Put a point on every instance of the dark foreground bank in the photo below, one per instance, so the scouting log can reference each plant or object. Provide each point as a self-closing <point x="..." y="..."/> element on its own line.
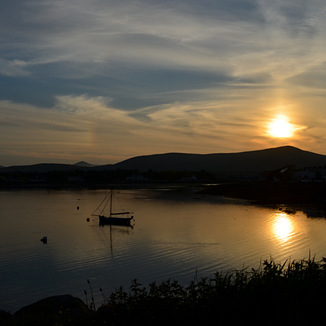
<point x="291" y="293"/>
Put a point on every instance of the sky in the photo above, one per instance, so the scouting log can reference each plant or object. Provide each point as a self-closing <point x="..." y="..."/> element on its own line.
<point x="103" y="81"/>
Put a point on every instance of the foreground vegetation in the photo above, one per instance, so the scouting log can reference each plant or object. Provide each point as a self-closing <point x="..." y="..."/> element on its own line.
<point x="291" y="293"/>
<point x="288" y="293"/>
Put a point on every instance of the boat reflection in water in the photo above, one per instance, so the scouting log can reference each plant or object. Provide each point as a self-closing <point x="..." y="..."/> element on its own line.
<point x="177" y="236"/>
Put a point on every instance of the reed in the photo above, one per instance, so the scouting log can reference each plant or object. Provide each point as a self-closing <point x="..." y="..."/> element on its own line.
<point x="92" y="305"/>
<point x="287" y="293"/>
<point x="291" y="291"/>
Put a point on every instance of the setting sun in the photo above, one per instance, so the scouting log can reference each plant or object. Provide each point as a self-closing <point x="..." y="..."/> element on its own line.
<point x="280" y="127"/>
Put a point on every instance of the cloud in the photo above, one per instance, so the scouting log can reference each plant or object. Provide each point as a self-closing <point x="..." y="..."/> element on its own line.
<point x="180" y="76"/>
<point x="13" y="68"/>
<point x="73" y="127"/>
<point x="88" y="127"/>
<point x="83" y="124"/>
<point x="240" y="38"/>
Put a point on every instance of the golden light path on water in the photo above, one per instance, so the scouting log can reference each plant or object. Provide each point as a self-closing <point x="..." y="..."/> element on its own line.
<point x="283" y="227"/>
<point x="289" y="230"/>
<point x="176" y="235"/>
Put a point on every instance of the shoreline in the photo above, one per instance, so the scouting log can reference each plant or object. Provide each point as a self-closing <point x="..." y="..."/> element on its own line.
<point x="297" y="194"/>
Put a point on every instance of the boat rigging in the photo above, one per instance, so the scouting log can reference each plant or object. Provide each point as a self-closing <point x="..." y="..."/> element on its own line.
<point x="123" y="218"/>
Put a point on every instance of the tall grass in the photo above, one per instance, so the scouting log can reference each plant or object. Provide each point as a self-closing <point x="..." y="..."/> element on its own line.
<point x="290" y="293"/>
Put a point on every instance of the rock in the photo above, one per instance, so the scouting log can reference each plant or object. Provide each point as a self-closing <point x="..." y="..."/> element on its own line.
<point x="56" y="310"/>
<point x="5" y="317"/>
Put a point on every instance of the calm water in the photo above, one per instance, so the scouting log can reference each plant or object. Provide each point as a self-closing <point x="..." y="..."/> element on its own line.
<point x="175" y="236"/>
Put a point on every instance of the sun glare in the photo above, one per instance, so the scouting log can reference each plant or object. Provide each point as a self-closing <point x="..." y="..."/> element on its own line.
<point x="280" y="127"/>
<point x="283" y="227"/>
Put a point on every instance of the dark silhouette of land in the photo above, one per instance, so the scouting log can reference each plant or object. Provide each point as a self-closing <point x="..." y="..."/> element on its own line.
<point x="298" y="195"/>
<point x="277" y="175"/>
<point x="289" y="293"/>
<point x="250" y="163"/>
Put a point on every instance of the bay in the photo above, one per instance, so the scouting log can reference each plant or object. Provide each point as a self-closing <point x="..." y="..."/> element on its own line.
<point x="178" y="235"/>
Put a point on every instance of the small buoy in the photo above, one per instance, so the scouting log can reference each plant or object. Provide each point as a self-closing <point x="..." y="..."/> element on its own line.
<point x="44" y="239"/>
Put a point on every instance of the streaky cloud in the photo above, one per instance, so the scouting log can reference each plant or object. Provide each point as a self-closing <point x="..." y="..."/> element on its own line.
<point x="126" y="77"/>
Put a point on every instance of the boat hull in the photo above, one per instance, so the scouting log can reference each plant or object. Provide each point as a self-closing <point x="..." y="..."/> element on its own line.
<point x="105" y="220"/>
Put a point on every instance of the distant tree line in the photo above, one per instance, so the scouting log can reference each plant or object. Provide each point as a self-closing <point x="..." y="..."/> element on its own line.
<point x="93" y="177"/>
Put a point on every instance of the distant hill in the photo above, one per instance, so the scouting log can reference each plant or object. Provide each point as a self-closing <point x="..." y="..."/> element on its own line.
<point x="229" y="164"/>
<point x="84" y="164"/>
<point x="224" y="164"/>
<point x="39" y="168"/>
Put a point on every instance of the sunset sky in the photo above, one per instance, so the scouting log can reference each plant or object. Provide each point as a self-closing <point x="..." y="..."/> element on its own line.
<point x="103" y="81"/>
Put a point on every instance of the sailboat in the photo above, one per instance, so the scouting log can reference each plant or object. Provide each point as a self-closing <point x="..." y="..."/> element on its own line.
<point x="114" y="218"/>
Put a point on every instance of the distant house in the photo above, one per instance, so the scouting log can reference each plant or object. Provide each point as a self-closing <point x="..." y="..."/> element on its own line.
<point x="189" y="179"/>
<point x="75" y="179"/>
<point x="136" y="178"/>
<point x="280" y="175"/>
<point x="312" y="174"/>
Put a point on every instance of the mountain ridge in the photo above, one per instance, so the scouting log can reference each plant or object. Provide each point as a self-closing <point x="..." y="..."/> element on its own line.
<point x="240" y="163"/>
<point x="84" y="164"/>
<point x="245" y="163"/>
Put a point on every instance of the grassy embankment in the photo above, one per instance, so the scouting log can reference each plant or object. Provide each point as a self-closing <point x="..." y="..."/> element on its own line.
<point x="291" y="293"/>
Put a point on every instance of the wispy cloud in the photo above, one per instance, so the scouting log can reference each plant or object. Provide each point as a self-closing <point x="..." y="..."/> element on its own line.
<point x="153" y="33"/>
<point x="85" y="126"/>
<point x="14" y="67"/>
<point x="185" y="76"/>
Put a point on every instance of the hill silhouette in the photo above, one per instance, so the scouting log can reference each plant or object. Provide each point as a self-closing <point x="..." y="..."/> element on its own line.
<point x="248" y="163"/>
<point x="84" y="164"/>
<point x="40" y="168"/>
<point x="228" y="164"/>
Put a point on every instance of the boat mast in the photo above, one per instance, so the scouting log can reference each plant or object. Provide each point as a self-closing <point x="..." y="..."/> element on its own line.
<point x="111" y="203"/>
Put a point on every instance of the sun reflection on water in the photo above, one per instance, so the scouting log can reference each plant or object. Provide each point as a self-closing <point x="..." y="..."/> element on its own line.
<point x="283" y="227"/>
